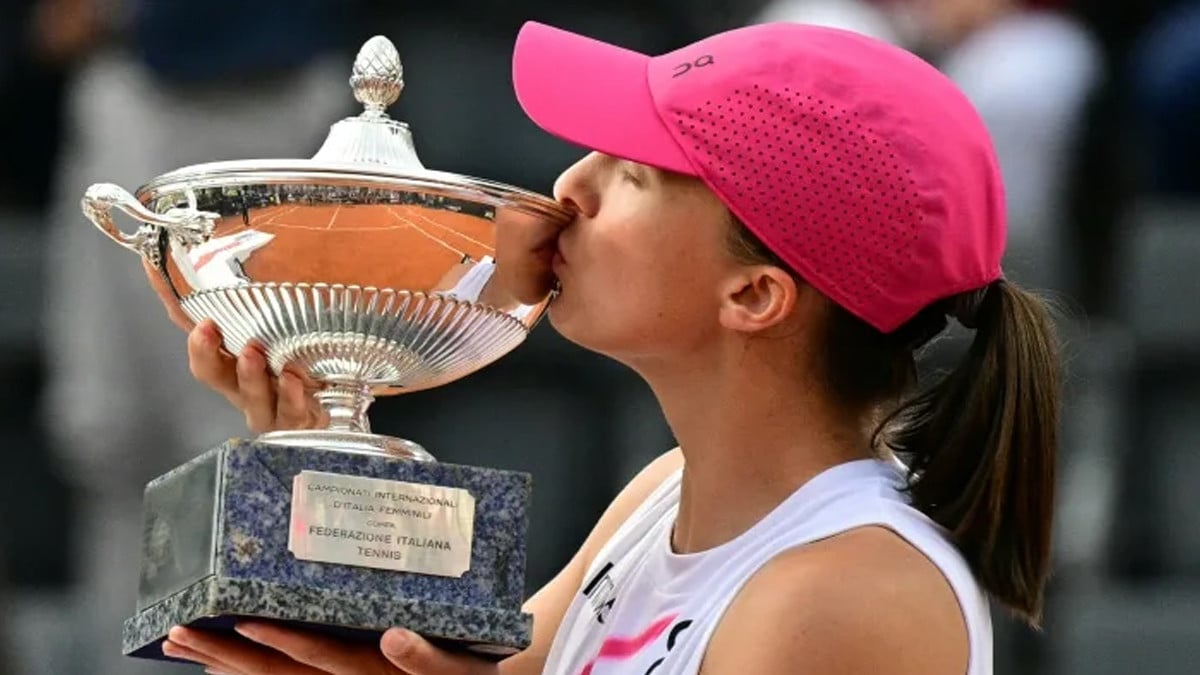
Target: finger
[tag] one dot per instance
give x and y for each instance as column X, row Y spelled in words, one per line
column 294, row 403
column 237, row 655
column 524, row 249
column 178, row 651
column 414, row 655
column 167, row 295
column 327, row 655
column 208, row 364
column 254, row 387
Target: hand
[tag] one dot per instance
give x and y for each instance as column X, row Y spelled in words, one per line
column 524, row 249
column 271, row 650
column 167, row 296
column 269, row 403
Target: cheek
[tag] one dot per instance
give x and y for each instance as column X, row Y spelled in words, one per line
column 622, row 299
column 606, row 281
column 633, row 273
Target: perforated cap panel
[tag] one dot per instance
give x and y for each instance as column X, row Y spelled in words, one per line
column 829, row 194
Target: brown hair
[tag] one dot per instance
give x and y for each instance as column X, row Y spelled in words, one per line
column 979, row 442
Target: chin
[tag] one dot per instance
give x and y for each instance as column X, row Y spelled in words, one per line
column 581, row 328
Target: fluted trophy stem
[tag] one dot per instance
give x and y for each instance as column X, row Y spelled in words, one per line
column 345, row 404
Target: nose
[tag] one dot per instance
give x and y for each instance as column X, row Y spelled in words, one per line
column 577, row 186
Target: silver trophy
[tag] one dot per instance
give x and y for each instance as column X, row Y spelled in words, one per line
column 372, row 275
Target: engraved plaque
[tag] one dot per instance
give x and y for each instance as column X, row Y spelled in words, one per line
column 387, row 524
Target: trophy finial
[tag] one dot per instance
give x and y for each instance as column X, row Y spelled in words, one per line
column 377, row 77
column 372, row 137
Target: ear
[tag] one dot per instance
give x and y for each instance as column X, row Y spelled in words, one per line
column 756, row 298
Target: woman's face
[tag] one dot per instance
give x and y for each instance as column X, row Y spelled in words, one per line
column 645, row 269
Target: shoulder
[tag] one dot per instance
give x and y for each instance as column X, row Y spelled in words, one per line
column 865, row 601
column 639, row 488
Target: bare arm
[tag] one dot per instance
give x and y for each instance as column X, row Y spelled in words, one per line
column 861, row 603
column 547, row 606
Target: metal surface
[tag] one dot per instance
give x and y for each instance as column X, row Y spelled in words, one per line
column 360, row 267
column 379, row 523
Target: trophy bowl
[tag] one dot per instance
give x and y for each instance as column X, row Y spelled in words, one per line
column 360, row 268
column 371, row 275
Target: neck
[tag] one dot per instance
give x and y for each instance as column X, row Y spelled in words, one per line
column 750, row 436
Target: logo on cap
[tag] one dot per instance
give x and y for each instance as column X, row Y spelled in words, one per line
column 686, row 67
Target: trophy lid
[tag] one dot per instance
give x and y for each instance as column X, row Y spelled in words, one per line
column 370, row 149
column 373, row 138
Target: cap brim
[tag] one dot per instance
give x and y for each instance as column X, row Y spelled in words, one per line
column 592, row 94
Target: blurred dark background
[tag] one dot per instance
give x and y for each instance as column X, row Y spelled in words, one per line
column 1094, row 107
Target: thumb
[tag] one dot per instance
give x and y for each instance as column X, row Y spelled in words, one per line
column 413, row 654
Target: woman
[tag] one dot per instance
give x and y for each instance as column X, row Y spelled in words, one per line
column 773, row 219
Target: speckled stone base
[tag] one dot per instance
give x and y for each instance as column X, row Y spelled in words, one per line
column 216, row 549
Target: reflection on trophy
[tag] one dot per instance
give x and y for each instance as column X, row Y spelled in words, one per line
column 374, row 276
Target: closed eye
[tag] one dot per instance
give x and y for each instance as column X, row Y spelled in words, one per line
column 630, row 173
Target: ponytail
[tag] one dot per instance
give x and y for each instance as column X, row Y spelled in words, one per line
column 980, row 444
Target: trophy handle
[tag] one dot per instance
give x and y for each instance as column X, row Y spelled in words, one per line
column 189, row 226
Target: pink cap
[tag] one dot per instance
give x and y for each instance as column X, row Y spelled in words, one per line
column 856, row 162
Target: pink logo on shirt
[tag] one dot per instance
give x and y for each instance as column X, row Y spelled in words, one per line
column 621, row 648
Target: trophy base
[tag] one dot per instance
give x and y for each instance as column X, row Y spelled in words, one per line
column 340, row 543
column 217, row 604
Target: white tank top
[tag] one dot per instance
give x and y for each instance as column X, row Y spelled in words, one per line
column 645, row 610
